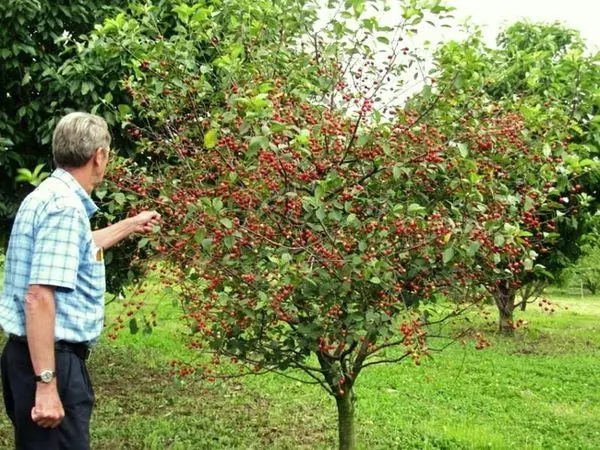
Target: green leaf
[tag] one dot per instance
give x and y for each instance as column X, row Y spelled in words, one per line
column 24, row 175
column 199, row 236
column 210, row 138
column 86, row 87
column 258, row 142
column 362, row 140
column 358, row 6
column 351, row 219
column 474, row 178
column 119, row 197
column 227, row 222
column 228, row 241
column 529, row 203
column 217, row 204
column 320, row 213
column 448, row 255
column 546, row 150
column 473, row 248
column 207, row 244
column 302, row 137
column 133, row 325
column 375, row 280
column 124, row 109
column 415, row 207
column 263, row 299
column 143, row 242
column 26, row 78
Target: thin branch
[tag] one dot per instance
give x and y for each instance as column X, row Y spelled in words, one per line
column 385, row 361
column 433, row 103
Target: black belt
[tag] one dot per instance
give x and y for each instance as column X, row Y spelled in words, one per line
column 81, row 350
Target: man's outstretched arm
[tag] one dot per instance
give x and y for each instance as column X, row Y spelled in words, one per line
column 113, row 234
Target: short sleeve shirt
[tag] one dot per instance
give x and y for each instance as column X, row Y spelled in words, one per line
column 51, row 244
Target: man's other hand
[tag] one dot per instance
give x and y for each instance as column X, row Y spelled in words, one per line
column 48, row 411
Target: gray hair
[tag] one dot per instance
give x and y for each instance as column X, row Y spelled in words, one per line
column 76, row 137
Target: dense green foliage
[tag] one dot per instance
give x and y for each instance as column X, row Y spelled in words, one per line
column 34, row 41
column 585, row 273
column 48, row 72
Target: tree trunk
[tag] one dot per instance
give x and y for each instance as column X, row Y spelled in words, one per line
column 523, row 305
column 531, row 291
column 505, row 301
column 345, row 407
column 526, row 292
column 590, row 286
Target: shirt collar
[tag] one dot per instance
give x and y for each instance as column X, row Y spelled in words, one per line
column 73, row 184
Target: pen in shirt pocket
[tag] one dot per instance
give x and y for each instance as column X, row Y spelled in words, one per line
column 99, row 254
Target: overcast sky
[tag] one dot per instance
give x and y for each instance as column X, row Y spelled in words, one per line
column 583, row 15
column 492, row 16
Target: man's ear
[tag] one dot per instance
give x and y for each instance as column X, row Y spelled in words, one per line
column 100, row 154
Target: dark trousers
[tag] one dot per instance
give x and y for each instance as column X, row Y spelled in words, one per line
column 74, row 389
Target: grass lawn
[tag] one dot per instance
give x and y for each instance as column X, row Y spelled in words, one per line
column 538, row 390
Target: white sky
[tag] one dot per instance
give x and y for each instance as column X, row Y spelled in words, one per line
column 494, row 15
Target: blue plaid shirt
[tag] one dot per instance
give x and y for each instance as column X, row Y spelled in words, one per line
column 51, row 244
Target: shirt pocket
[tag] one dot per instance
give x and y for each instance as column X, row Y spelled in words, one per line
column 99, row 269
column 96, row 272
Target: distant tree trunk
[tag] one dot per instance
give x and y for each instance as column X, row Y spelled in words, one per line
column 591, row 286
column 345, row 407
column 505, row 301
column 593, row 289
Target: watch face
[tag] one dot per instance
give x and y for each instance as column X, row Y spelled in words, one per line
column 47, row 376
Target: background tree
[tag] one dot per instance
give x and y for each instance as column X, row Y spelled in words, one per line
column 32, row 38
column 585, row 273
column 542, row 72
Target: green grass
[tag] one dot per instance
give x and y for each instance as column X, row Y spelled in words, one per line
column 538, row 390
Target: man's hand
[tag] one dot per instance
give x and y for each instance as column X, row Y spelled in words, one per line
column 145, row 221
column 48, row 411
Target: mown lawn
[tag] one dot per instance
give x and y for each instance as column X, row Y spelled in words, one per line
column 538, row 390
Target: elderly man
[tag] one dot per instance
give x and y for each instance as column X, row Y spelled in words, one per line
column 52, row 307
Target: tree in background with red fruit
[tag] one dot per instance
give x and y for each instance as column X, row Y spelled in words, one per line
column 545, row 74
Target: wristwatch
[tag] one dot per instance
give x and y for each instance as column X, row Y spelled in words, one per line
column 45, row 376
